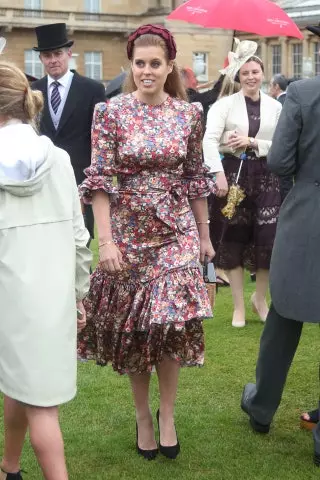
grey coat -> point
(295, 264)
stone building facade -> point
(290, 56)
(100, 30)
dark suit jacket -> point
(286, 182)
(282, 98)
(74, 131)
(295, 264)
(206, 98)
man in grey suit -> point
(278, 88)
(295, 264)
(278, 91)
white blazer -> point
(229, 114)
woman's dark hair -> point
(251, 59)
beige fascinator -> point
(3, 42)
(244, 50)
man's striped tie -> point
(55, 97)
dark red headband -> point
(153, 30)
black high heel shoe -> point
(10, 476)
(170, 452)
(146, 454)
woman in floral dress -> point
(148, 188)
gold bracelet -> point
(203, 223)
(108, 242)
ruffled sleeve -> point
(200, 183)
(102, 173)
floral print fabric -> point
(149, 159)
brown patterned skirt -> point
(247, 239)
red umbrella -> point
(261, 17)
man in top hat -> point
(69, 101)
(295, 263)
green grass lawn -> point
(216, 442)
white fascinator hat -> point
(244, 50)
(3, 42)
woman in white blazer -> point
(244, 122)
(44, 274)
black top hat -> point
(314, 29)
(51, 37)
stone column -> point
(167, 4)
(305, 46)
(284, 56)
(307, 61)
(264, 58)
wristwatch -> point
(251, 141)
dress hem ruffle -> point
(122, 303)
(140, 352)
(133, 324)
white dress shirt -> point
(64, 86)
(282, 93)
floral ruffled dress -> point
(148, 158)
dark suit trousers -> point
(89, 220)
(278, 345)
(316, 433)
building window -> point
(276, 59)
(93, 63)
(177, 3)
(297, 59)
(73, 62)
(32, 64)
(33, 5)
(200, 66)
(317, 58)
(92, 6)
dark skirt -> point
(247, 239)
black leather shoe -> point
(170, 452)
(146, 454)
(256, 426)
(10, 476)
(316, 459)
